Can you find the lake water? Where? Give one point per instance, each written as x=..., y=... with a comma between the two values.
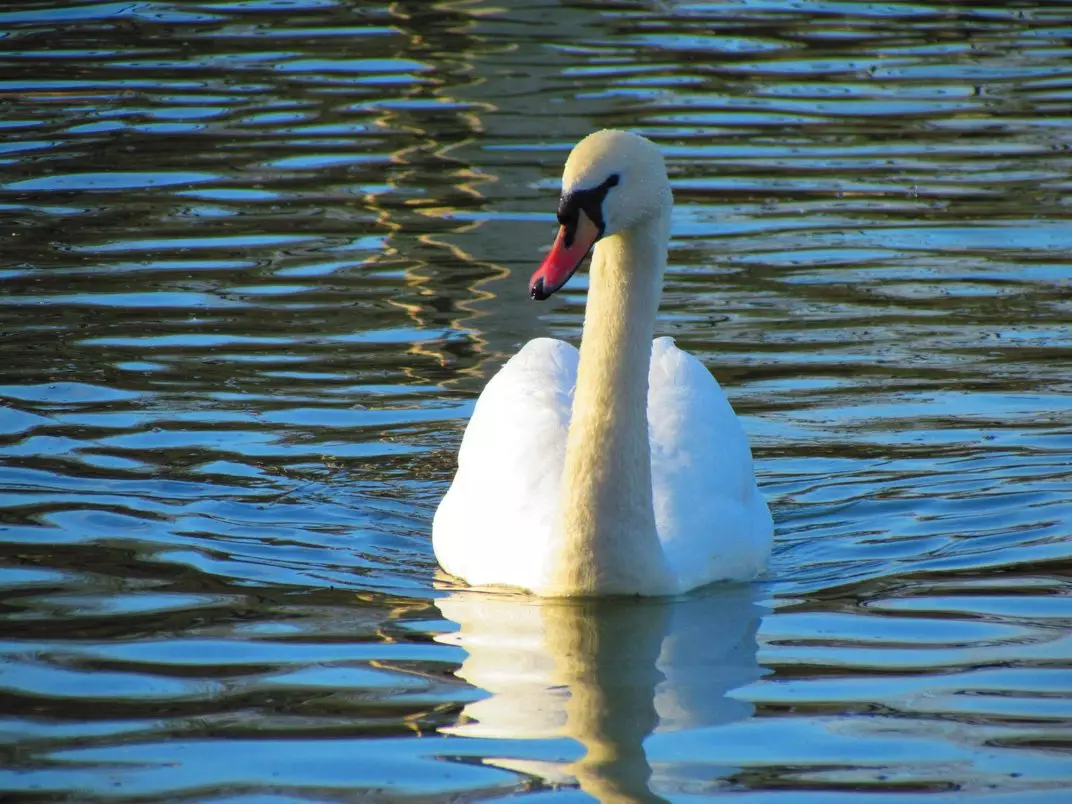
x=259, y=258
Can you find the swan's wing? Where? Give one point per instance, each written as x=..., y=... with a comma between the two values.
x=496, y=520
x=713, y=522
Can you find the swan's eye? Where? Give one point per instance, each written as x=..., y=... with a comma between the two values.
x=591, y=201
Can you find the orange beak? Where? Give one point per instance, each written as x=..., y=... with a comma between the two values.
x=568, y=252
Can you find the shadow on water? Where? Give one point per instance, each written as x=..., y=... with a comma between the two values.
x=258, y=260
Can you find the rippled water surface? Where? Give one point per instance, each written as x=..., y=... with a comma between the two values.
x=258, y=258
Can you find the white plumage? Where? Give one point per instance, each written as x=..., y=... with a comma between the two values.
x=496, y=523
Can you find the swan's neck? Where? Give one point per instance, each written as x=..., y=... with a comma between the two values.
x=609, y=541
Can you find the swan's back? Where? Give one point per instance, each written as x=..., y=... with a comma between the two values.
x=712, y=521
x=495, y=523
x=500, y=518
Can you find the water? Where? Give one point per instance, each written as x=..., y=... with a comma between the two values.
x=260, y=257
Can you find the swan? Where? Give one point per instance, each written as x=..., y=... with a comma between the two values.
x=619, y=468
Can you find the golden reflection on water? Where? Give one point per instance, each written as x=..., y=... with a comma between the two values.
x=506, y=83
x=413, y=166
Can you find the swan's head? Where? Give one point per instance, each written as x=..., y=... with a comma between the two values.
x=613, y=180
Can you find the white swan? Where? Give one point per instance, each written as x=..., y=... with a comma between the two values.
x=619, y=469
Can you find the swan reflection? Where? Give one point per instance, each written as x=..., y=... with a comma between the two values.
x=606, y=673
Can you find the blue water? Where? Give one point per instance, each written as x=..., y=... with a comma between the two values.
x=259, y=258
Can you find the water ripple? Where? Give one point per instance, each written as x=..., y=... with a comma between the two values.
x=260, y=258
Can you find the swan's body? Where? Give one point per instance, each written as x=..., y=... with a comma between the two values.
x=619, y=468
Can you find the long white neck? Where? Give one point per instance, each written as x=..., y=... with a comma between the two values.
x=609, y=544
